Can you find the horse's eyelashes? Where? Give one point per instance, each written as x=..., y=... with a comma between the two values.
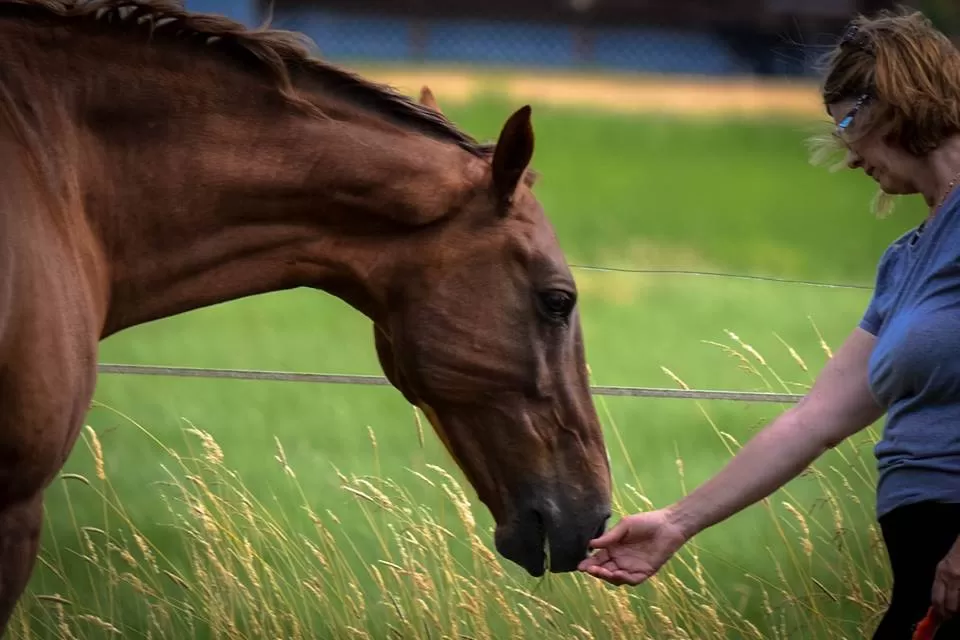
x=557, y=304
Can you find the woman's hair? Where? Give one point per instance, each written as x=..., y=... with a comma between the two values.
x=910, y=70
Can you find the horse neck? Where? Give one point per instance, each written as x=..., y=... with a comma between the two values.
x=206, y=187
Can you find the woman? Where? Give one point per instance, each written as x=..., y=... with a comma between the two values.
x=893, y=90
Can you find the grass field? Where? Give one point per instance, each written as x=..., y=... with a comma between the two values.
x=259, y=542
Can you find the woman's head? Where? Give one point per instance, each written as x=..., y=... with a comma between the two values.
x=892, y=87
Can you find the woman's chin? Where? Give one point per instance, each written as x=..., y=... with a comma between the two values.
x=893, y=188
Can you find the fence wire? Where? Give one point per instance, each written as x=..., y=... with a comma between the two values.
x=721, y=274
x=369, y=380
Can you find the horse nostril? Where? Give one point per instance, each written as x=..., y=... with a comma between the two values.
x=539, y=523
x=601, y=527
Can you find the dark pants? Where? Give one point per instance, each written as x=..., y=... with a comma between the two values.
x=917, y=537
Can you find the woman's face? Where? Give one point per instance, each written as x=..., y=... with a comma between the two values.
x=890, y=166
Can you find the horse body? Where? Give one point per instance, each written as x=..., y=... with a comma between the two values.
x=155, y=161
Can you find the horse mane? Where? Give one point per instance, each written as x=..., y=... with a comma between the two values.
x=278, y=51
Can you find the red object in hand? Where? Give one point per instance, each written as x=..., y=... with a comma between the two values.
x=928, y=626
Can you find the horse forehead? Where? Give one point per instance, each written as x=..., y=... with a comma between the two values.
x=537, y=232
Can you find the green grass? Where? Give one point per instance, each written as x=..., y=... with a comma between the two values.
x=622, y=191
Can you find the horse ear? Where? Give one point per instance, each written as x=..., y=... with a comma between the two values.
x=427, y=99
x=512, y=155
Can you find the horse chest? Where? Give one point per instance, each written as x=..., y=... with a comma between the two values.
x=47, y=377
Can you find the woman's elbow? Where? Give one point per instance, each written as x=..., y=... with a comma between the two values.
x=816, y=429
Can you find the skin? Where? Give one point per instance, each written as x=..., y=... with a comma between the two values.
x=895, y=170
x=838, y=406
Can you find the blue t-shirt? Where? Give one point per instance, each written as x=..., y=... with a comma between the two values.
x=914, y=370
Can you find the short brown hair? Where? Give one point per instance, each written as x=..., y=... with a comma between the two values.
x=909, y=68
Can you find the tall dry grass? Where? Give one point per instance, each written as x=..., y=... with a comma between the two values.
x=236, y=566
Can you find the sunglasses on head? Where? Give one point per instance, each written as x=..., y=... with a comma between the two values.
x=847, y=120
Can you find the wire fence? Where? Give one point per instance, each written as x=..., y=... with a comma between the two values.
x=336, y=378
x=371, y=380
x=544, y=40
x=720, y=274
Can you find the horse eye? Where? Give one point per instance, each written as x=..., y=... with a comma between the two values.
x=557, y=303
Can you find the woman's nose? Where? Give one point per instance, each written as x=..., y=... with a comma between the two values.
x=854, y=161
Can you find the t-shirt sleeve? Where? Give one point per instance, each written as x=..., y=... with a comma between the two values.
x=872, y=319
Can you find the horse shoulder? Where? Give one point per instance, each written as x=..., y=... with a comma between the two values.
x=6, y=289
x=49, y=336
x=8, y=269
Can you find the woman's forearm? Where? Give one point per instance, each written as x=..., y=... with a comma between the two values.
x=773, y=457
x=838, y=405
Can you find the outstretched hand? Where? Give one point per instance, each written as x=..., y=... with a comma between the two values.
x=634, y=549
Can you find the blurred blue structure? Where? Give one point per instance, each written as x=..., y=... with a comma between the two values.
x=344, y=32
x=665, y=51
x=245, y=11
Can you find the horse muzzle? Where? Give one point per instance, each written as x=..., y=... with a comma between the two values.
x=542, y=537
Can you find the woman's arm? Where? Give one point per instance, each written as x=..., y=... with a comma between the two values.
x=838, y=405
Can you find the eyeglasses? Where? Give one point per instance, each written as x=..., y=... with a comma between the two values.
x=847, y=120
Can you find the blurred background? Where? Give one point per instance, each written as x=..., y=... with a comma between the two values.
x=709, y=252
x=703, y=37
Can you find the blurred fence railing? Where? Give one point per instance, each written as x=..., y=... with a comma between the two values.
x=703, y=37
x=396, y=38
x=354, y=37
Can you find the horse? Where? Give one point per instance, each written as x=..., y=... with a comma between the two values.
x=154, y=161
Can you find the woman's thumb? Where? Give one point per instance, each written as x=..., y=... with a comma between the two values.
x=612, y=536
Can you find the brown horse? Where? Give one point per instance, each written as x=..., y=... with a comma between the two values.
x=154, y=161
